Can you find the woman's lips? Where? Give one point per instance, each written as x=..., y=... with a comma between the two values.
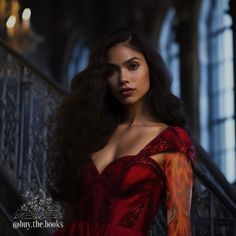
x=126, y=92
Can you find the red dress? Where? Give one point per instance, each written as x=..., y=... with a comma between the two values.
x=124, y=198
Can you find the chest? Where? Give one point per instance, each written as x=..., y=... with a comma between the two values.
x=128, y=142
x=123, y=143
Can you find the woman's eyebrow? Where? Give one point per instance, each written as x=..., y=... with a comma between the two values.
x=131, y=59
x=126, y=62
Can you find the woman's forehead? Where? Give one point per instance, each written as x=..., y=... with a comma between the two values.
x=120, y=53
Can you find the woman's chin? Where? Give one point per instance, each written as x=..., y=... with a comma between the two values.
x=129, y=102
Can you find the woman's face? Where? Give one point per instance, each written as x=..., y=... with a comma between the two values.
x=128, y=74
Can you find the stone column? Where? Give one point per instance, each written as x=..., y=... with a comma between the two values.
x=186, y=29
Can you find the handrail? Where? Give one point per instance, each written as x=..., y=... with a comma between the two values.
x=206, y=170
x=27, y=64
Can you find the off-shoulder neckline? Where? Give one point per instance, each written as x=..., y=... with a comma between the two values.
x=158, y=136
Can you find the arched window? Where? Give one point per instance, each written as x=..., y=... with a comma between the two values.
x=78, y=59
x=169, y=49
x=217, y=85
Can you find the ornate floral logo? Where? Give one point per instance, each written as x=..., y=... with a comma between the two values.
x=38, y=206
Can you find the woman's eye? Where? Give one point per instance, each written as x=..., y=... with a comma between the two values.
x=111, y=71
x=133, y=66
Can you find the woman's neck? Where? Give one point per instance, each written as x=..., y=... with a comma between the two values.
x=137, y=116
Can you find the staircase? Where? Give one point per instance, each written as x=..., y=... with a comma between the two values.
x=27, y=101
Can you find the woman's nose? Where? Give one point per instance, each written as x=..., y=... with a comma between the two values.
x=123, y=77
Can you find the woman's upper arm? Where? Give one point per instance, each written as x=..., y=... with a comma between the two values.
x=178, y=175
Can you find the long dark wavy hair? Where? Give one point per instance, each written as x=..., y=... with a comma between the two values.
x=89, y=115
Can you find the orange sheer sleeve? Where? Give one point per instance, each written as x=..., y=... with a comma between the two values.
x=178, y=174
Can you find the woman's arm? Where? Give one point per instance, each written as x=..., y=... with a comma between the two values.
x=178, y=173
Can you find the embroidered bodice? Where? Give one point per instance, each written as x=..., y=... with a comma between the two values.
x=123, y=199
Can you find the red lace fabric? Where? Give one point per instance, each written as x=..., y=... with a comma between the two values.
x=123, y=199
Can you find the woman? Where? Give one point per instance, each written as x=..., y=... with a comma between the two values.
x=121, y=144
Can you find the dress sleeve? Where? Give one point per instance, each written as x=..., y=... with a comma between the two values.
x=183, y=144
x=171, y=140
x=177, y=169
x=178, y=179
